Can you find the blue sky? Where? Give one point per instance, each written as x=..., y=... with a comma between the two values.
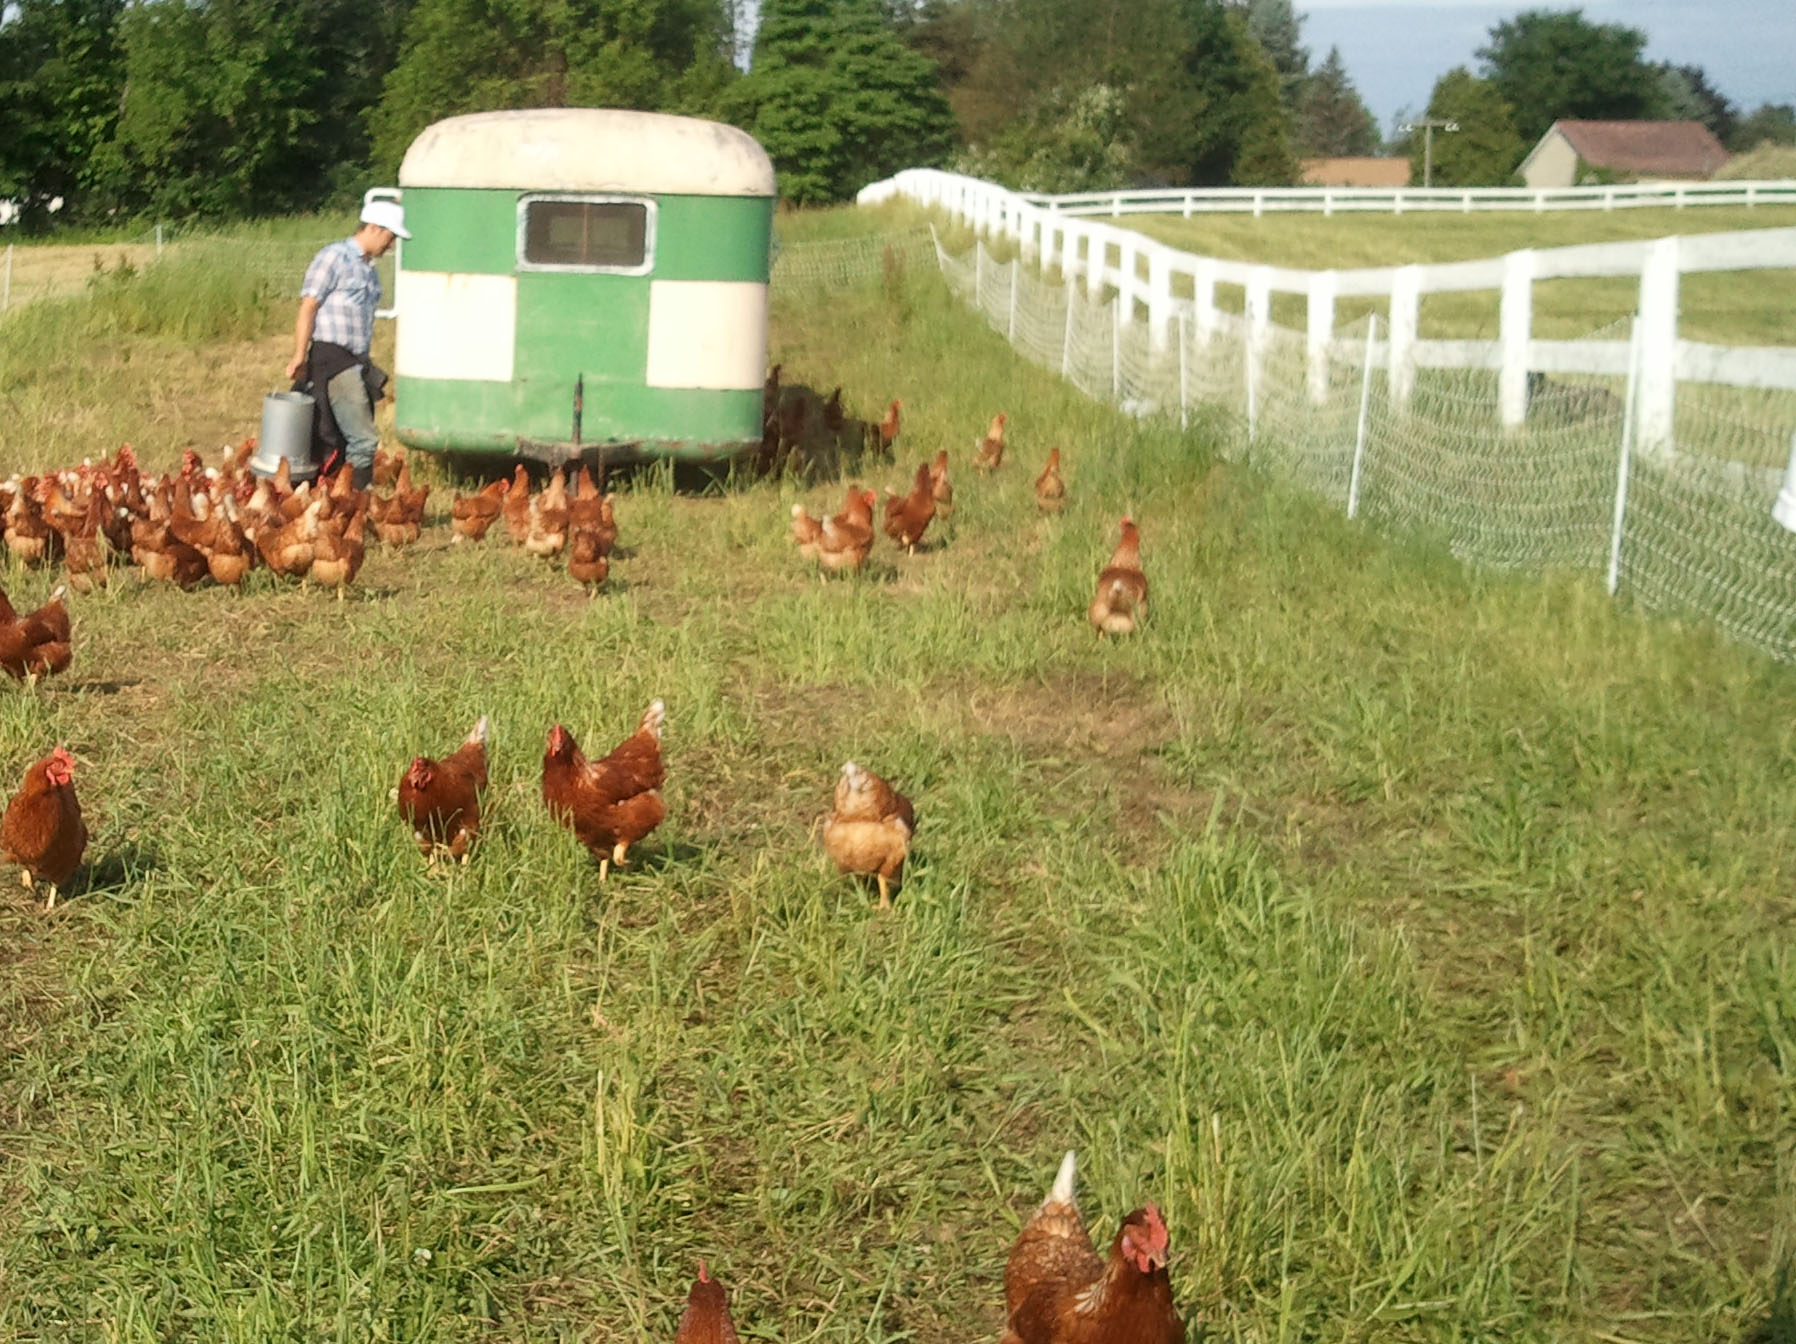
x=1396, y=50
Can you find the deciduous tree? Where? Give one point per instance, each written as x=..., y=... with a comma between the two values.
x=1549, y=65
x=61, y=72
x=1484, y=151
x=838, y=100
x=485, y=55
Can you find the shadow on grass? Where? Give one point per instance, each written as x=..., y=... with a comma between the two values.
x=1779, y=1324
x=115, y=870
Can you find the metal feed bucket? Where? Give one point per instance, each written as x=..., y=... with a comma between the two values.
x=286, y=432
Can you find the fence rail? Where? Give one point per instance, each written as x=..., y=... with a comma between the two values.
x=1155, y=277
x=1189, y=201
x=1411, y=434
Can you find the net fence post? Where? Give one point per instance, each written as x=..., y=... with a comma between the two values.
x=1184, y=378
x=1116, y=348
x=1015, y=280
x=1066, y=341
x=1627, y=453
x=1365, y=407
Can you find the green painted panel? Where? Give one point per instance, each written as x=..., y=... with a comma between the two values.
x=713, y=238
x=596, y=325
x=451, y=414
x=461, y=230
x=696, y=237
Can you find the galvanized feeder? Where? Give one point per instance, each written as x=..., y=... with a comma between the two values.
x=583, y=282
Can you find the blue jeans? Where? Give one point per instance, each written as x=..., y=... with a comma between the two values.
x=355, y=418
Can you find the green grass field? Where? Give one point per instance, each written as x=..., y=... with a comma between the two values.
x=1739, y=308
x=1417, y=938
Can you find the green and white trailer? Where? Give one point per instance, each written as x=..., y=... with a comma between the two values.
x=583, y=283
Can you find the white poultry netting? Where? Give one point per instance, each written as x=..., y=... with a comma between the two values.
x=1687, y=531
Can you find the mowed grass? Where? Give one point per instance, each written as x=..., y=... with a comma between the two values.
x=1727, y=308
x=1418, y=939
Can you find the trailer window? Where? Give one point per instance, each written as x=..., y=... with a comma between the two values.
x=584, y=234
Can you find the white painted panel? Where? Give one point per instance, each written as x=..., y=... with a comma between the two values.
x=456, y=325
x=707, y=333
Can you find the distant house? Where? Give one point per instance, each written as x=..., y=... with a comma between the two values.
x=1573, y=153
x=1359, y=171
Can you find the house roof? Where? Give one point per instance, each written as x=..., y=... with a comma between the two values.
x=1355, y=171
x=1649, y=148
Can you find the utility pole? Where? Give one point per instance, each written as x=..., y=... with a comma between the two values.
x=1427, y=125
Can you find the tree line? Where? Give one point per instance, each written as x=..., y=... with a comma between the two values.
x=180, y=109
x=1543, y=66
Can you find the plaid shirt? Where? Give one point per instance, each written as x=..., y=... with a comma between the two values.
x=347, y=288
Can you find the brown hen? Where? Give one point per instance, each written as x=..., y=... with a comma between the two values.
x=612, y=803
x=706, y=1319
x=440, y=800
x=868, y=830
x=37, y=643
x=1057, y=1290
x=42, y=830
x=1121, y=598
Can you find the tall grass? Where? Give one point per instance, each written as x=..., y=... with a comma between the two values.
x=1415, y=937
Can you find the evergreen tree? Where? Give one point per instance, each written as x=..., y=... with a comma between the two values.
x=61, y=72
x=1219, y=118
x=1333, y=121
x=1278, y=30
x=486, y=55
x=1549, y=65
x=1685, y=94
x=1484, y=151
x=838, y=100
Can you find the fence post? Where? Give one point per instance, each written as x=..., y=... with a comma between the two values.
x=6, y=286
x=1406, y=302
x=1203, y=298
x=1365, y=406
x=1259, y=330
x=1159, y=296
x=1125, y=276
x=158, y=242
x=1097, y=256
x=1658, y=346
x=1627, y=454
x=1515, y=329
x=1321, y=330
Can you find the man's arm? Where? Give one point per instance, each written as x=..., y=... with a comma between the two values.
x=302, y=336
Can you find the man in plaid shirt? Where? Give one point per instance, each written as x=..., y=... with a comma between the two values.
x=335, y=327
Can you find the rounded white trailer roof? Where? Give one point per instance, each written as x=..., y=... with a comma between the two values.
x=588, y=149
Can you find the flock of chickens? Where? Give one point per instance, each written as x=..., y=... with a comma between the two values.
x=1057, y=1289
x=219, y=523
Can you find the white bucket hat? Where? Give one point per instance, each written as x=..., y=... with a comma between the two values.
x=389, y=215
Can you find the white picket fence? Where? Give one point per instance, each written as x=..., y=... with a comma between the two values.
x=1452, y=438
x=1163, y=279
x=1189, y=201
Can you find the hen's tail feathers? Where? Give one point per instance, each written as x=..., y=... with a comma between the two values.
x=1062, y=1190
x=477, y=734
x=653, y=718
